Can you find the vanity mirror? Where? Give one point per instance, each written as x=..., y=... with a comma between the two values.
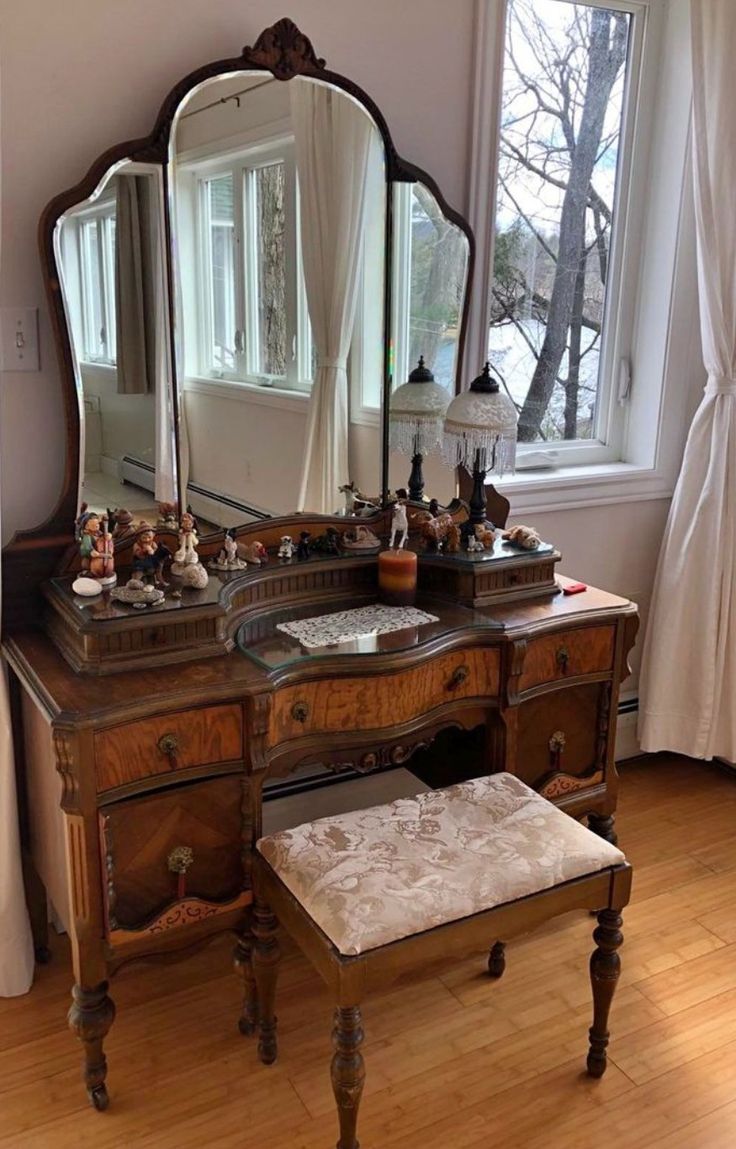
x=296, y=267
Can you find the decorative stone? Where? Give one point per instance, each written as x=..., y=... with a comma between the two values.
x=137, y=593
x=86, y=586
x=191, y=574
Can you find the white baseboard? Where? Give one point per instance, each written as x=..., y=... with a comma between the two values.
x=627, y=743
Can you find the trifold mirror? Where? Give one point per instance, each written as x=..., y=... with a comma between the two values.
x=237, y=295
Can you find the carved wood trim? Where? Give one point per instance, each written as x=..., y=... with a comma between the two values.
x=67, y=769
x=178, y=914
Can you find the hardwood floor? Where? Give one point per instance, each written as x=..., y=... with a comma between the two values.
x=454, y=1061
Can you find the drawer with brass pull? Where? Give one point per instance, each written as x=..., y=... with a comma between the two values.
x=372, y=702
x=567, y=654
x=167, y=744
x=563, y=733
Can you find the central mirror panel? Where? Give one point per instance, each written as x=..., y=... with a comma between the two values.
x=279, y=223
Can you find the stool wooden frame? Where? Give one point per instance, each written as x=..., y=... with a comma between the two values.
x=352, y=977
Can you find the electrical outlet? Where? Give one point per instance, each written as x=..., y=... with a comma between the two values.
x=19, y=339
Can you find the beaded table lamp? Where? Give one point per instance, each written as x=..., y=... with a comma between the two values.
x=416, y=413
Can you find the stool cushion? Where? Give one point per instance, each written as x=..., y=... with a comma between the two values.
x=371, y=877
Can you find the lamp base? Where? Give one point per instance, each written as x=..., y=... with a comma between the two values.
x=416, y=479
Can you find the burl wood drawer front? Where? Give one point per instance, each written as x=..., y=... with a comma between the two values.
x=157, y=849
x=376, y=701
x=168, y=743
x=568, y=654
x=563, y=733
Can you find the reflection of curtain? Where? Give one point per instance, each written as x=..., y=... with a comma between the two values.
x=332, y=138
x=689, y=668
x=16, y=945
x=134, y=286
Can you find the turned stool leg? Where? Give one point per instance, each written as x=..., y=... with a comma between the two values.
x=243, y=962
x=90, y=1017
x=266, y=956
x=604, y=826
x=605, y=967
x=348, y=1072
x=497, y=959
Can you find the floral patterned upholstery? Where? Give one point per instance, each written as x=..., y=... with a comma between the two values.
x=370, y=877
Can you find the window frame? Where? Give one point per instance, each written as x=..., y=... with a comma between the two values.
x=618, y=350
x=101, y=215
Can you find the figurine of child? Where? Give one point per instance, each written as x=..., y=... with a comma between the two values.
x=187, y=552
x=149, y=555
x=96, y=547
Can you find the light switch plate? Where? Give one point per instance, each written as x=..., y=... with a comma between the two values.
x=19, y=339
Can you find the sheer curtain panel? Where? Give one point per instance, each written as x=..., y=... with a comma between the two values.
x=688, y=683
x=332, y=140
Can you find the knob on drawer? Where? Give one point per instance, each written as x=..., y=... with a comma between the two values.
x=458, y=677
x=300, y=712
x=168, y=744
x=562, y=658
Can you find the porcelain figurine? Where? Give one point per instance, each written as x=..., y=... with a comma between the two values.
x=96, y=547
x=360, y=539
x=188, y=541
x=355, y=502
x=121, y=523
x=485, y=535
x=328, y=543
x=524, y=537
x=286, y=548
x=439, y=532
x=149, y=555
x=399, y=526
x=168, y=518
x=302, y=547
x=254, y=552
x=474, y=544
x=228, y=558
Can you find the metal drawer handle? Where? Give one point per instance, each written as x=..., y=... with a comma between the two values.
x=300, y=712
x=458, y=677
x=179, y=861
x=168, y=744
x=557, y=745
x=562, y=658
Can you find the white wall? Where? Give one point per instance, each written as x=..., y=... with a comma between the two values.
x=81, y=75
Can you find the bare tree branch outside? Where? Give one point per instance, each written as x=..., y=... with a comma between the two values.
x=563, y=93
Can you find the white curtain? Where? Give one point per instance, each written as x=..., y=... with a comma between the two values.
x=332, y=139
x=688, y=684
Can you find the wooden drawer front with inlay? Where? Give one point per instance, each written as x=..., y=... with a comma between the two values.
x=172, y=742
x=376, y=701
x=162, y=848
x=568, y=654
x=563, y=733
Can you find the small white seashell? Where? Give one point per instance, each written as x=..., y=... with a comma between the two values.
x=86, y=586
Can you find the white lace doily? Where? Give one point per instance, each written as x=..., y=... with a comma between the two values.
x=347, y=625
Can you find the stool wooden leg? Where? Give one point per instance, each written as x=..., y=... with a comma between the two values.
x=348, y=1072
x=604, y=826
x=605, y=967
x=243, y=962
x=266, y=955
x=497, y=959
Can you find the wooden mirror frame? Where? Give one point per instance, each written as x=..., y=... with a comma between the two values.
x=284, y=51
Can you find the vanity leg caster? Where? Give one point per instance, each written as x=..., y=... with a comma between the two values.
x=90, y=1017
x=497, y=959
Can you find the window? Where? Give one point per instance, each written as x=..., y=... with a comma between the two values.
x=557, y=337
x=96, y=245
x=252, y=306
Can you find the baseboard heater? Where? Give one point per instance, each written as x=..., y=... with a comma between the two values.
x=217, y=507
x=136, y=471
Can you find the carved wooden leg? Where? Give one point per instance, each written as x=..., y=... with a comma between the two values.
x=243, y=962
x=603, y=826
x=266, y=955
x=348, y=1072
x=497, y=959
x=90, y=1017
x=605, y=967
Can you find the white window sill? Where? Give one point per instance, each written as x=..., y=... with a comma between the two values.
x=251, y=393
x=592, y=485
x=366, y=417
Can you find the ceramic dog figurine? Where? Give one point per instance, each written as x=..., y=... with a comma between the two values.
x=286, y=548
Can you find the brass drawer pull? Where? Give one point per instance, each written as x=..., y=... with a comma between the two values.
x=179, y=861
x=168, y=744
x=562, y=658
x=300, y=712
x=458, y=677
x=557, y=745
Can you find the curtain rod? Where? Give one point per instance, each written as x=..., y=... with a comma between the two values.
x=224, y=99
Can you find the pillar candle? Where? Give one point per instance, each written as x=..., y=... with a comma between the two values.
x=397, y=577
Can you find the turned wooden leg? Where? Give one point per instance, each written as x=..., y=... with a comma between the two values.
x=605, y=967
x=243, y=962
x=266, y=955
x=497, y=959
x=348, y=1072
x=603, y=826
x=90, y=1017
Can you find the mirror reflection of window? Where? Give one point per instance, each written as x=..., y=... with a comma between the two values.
x=96, y=240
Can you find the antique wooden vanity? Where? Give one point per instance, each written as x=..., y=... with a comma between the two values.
x=164, y=725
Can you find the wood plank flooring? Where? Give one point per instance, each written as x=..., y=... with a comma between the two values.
x=453, y=1061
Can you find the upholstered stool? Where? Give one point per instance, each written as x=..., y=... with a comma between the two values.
x=371, y=894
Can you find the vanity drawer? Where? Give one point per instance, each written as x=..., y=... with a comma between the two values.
x=160, y=849
x=567, y=654
x=375, y=701
x=169, y=743
x=562, y=743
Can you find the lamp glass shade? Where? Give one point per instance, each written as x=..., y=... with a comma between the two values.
x=480, y=428
x=416, y=413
